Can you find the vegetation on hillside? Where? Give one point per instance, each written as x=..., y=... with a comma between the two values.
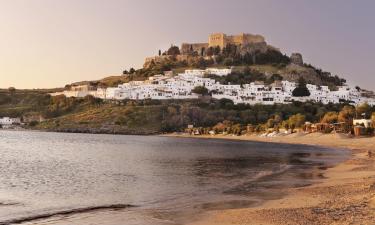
x=245, y=76
x=15, y=103
x=270, y=61
x=228, y=56
x=327, y=77
x=176, y=115
x=201, y=90
x=301, y=90
x=90, y=114
x=256, y=66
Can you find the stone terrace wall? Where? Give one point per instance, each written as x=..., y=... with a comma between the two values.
x=188, y=48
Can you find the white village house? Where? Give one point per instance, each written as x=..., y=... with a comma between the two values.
x=362, y=122
x=181, y=86
x=7, y=122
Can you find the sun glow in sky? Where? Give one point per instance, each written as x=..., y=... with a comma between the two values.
x=49, y=43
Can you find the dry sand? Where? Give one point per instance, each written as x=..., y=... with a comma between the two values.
x=347, y=196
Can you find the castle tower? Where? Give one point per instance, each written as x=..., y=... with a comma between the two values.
x=296, y=58
x=217, y=39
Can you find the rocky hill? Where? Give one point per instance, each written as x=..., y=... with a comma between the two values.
x=239, y=52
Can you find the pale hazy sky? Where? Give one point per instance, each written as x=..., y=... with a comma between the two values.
x=49, y=43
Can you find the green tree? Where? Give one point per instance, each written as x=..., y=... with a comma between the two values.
x=236, y=129
x=203, y=50
x=285, y=124
x=275, y=77
x=217, y=50
x=346, y=114
x=173, y=50
x=297, y=120
x=301, y=90
x=210, y=51
x=270, y=123
x=228, y=61
x=246, y=70
x=200, y=63
x=330, y=117
x=200, y=90
x=363, y=110
x=274, y=121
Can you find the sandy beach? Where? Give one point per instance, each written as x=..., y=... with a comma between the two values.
x=345, y=196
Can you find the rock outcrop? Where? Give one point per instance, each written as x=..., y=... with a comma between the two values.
x=296, y=58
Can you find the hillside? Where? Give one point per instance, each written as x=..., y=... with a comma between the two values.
x=290, y=72
x=93, y=115
x=154, y=117
x=255, y=54
x=293, y=72
x=110, y=81
x=16, y=103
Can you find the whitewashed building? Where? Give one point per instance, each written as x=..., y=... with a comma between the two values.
x=7, y=122
x=181, y=87
x=365, y=122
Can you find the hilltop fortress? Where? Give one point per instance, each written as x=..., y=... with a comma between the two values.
x=275, y=84
x=244, y=43
x=221, y=40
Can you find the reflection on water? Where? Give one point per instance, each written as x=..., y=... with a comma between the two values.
x=48, y=173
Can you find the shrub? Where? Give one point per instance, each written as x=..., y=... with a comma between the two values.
x=330, y=117
x=33, y=123
x=296, y=121
x=301, y=90
x=200, y=90
x=228, y=61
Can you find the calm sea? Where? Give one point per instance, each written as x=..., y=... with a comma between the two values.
x=45, y=174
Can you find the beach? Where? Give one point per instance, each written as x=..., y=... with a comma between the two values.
x=345, y=196
x=342, y=194
x=65, y=178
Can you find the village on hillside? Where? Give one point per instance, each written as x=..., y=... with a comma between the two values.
x=243, y=48
x=193, y=84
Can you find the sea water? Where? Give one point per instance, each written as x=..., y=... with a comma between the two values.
x=52, y=176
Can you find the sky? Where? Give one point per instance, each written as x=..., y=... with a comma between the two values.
x=50, y=43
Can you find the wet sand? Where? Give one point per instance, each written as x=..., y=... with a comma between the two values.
x=346, y=196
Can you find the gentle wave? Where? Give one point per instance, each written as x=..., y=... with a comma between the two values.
x=252, y=184
x=281, y=169
x=65, y=213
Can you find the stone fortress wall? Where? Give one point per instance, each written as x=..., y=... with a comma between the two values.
x=221, y=39
x=246, y=42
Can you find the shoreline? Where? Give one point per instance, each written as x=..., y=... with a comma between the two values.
x=345, y=196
